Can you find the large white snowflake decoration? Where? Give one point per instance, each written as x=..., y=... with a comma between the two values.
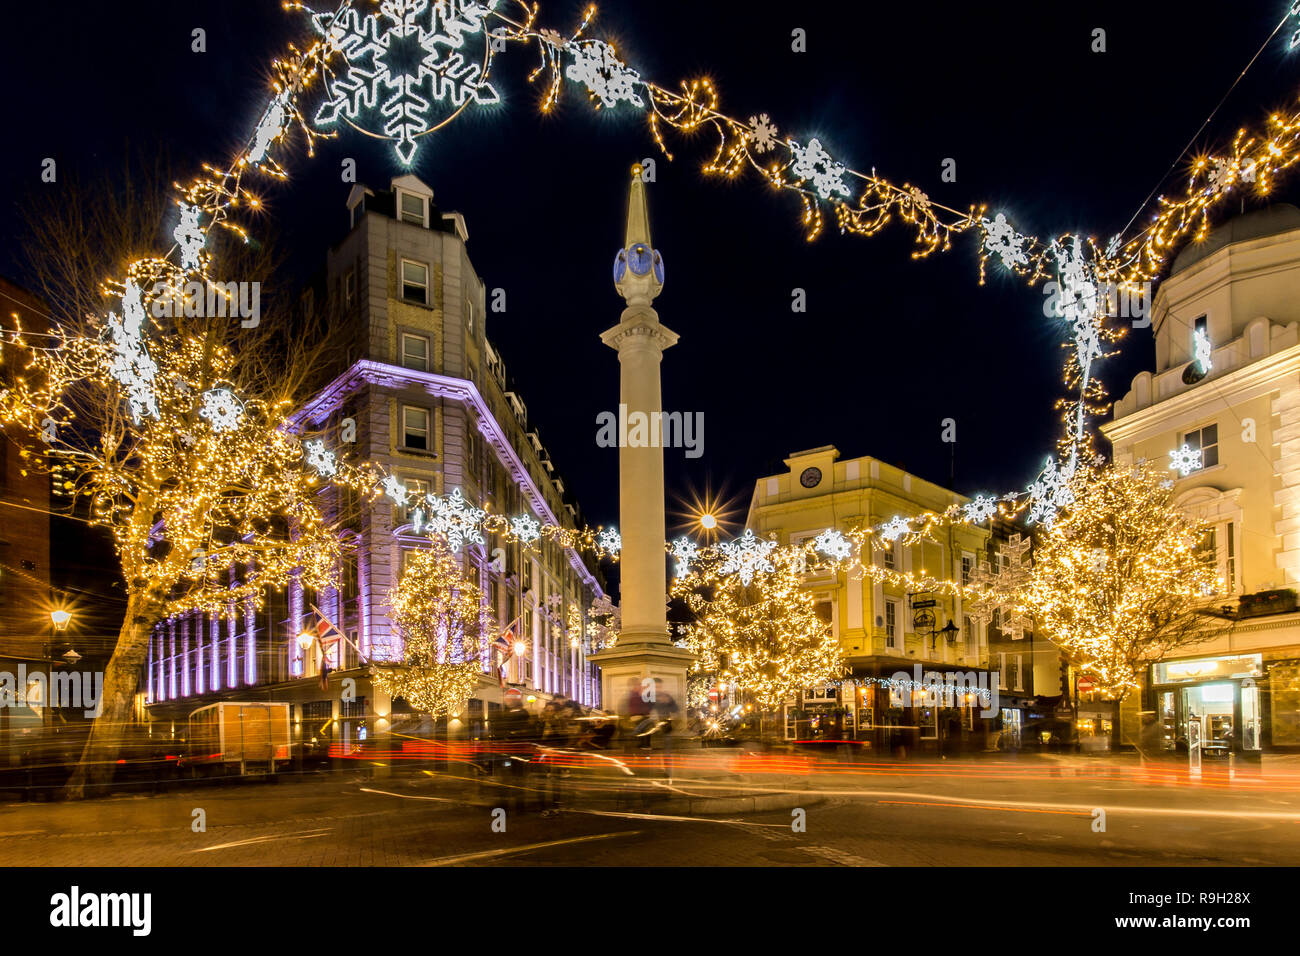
x=684, y=550
x=610, y=540
x=606, y=77
x=525, y=528
x=189, y=235
x=895, y=528
x=1050, y=493
x=746, y=556
x=1002, y=240
x=833, y=544
x=222, y=409
x=813, y=163
x=980, y=510
x=1185, y=460
x=997, y=589
x=762, y=133
x=404, y=59
x=320, y=458
x=455, y=519
x=132, y=365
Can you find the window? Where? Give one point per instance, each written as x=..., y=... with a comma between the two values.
x=825, y=612
x=415, y=351
x=889, y=555
x=415, y=427
x=1217, y=550
x=416, y=489
x=349, y=287
x=891, y=623
x=968, y=629
x=413, y=209
x=1009, y=670
x=1230, y=564
x=967, y=566
x=415, y=282
x=1207, y=440
x=469, y=313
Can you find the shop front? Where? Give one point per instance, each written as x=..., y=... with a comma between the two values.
x=1215, y=700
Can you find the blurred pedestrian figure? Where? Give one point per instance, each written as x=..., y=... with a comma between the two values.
x=516, y=732
x=666, y=711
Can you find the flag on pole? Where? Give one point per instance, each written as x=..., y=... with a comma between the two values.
x=328, y=637
x=505, y=646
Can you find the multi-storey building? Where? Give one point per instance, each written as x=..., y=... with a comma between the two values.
x=26, y=628
x=883, y=629
x=426, y=396
x=1226, y=386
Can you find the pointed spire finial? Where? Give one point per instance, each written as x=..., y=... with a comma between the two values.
x=638, y=216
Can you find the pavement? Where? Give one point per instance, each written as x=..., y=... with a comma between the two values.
x=994, y=811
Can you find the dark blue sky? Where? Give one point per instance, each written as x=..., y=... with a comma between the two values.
x=1056, y=136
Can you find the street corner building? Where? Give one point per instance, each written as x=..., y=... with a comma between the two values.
x=898, y=644
x=1222, y=411
x=425, y=395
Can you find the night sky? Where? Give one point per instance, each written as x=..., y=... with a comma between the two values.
x=1041, y=128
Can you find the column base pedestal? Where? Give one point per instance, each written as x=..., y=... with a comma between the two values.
x=631, y=668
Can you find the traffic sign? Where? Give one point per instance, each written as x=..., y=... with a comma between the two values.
x=1086, y=684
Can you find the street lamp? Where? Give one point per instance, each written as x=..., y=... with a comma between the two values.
x=60, y=617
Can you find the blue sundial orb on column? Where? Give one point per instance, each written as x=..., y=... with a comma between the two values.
x=659, y=267
x=620, y=265
x=639, y=258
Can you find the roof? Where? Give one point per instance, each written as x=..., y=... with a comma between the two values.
x=1272, y=220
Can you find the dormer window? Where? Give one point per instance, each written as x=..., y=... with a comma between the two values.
x=413, y=208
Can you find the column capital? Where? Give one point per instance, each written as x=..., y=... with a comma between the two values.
x=639, y=327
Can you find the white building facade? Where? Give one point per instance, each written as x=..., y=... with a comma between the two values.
x=1226, y=392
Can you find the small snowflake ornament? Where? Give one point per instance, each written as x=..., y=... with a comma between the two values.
x=221, y=409
x=132, y=366
x=525, y=528
x=684, y=550
x=981, y=509
x=610, y=540
x=894, y=528
x=394, y=489
x=1050, y=493
x=320, y=458
x=190, y=237
x=1002, y=240
x=762, y=135
x=606, y=77
x=455, y=519
x=746, y=556
x=1202, y=350
x=1185, y=460
x=813, y=164
x=833, y=544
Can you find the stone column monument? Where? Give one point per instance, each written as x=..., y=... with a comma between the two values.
x=644, y=661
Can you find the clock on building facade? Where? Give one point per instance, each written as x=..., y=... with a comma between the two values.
x=811, y=477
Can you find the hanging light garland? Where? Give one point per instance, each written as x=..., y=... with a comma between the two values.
x=354, y=60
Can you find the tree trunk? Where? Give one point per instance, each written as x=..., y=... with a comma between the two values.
x=121, y=678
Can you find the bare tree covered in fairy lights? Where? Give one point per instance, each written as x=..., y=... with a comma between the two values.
x=443, y=624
